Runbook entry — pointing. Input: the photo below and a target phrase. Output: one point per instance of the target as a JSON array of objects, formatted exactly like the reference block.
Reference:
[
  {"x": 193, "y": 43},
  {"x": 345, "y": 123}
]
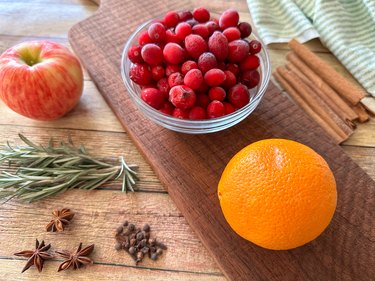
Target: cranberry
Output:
[
  {"x": 218, "y": 45},
  {"x": 250, "y": 78},
  {"x": 203, "y": 88},
  {"x": 238, "y": 50},
  {"x": 250, "y": 62},
  {"x": 157, "y": 72},
  {"x": 215, "y": 109},
  {"x": 195, "y": 45},
  {"x": 228, "y": 108},
  {"x": 193, "y": 79},
  {"x": 203, "y": 100},
  {"x": 206, "y": 61},
  {"x": 216, "y": 93},
  {"x": 140, "y": 74},
  {"x": 212, "y": 26},
  {"x": 174, "y": 53},
  {"x": 144, "y": 38},
  {"x": 185, "y": 15},
  {"x": 230, "y": 80},
  {"x": 197, "y": 113},
  {"x": 239, "y": 96},
  {"x": 152, "y": 54},
  {"x": 245, "y": 29},
  {"x": 232, "y": 33},
  {"x": 214, "y": 77},
  {"x": 172, "y": 68},
  {"x": 201, "y": 14},
  {"x": 234, "y": 68},
  {"x": 134, "y": 54},
  {"x": 229, "y": 18},
  {"x": 255, "y": 46},
  {"x": 153, "y": 97},
  {"x": 180, "y": 113},
  {"x": 171, "y": 19},
  {"x": 172, "y": 37},
  {"x": 188, "y": 65},
  {"x": 156, "y": 31},
  {"x": 163, "y": 86},
  {"x": 175, "y": 79},
  {"x": 182, "y": 97},
  {"x": 167, "y": 108},
  {"x": 201, "y": 29},
  {"x": 182, "y": 30}
]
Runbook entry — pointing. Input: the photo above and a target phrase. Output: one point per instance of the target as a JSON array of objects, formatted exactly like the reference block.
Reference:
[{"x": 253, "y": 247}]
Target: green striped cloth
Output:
[{"x": 345, "y": 27}]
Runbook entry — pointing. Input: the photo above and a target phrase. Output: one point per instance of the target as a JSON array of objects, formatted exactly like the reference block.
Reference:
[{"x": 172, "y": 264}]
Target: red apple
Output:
[{"x": 41, "y": 80}]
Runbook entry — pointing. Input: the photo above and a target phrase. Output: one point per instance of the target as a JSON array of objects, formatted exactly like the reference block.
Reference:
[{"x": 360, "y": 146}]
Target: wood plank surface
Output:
[{"x": 93, "y": 123}]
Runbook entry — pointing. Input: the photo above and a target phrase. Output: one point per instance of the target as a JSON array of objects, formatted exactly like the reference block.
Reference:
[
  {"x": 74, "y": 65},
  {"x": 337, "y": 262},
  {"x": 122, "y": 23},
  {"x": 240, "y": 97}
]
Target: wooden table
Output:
[{"x": 99, "y": 212}]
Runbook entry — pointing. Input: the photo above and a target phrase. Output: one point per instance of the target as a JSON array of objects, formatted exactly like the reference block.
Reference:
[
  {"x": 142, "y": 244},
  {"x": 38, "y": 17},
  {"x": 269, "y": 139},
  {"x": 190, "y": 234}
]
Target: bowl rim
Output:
[{"x": 188, "y": 122}]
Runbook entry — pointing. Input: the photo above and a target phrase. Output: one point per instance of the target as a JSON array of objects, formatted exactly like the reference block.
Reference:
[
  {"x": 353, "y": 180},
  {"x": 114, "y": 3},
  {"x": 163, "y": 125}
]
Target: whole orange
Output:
[{"x": 278, "y": 194}]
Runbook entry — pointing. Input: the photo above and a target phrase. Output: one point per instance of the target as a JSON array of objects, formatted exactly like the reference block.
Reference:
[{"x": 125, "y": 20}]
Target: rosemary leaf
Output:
[{"x": 49, "y": 170}]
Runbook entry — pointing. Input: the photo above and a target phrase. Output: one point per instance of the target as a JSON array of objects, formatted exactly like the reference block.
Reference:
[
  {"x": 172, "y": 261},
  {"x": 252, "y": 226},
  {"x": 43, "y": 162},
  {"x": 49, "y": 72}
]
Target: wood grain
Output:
[{"x": 190, "y": 166}]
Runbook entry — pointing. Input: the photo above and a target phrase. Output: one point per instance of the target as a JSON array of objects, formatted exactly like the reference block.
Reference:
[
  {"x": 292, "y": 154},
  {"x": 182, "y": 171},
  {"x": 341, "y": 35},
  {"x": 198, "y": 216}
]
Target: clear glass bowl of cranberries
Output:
[{"x": 194, "y": 71}]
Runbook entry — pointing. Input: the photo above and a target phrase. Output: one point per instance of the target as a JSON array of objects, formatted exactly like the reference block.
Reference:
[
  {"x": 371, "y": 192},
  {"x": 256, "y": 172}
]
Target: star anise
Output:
[
  {"x": 36, "y": 257},
  {"x": 77, "y": 258},
  {"x": 61, "y": 219}
]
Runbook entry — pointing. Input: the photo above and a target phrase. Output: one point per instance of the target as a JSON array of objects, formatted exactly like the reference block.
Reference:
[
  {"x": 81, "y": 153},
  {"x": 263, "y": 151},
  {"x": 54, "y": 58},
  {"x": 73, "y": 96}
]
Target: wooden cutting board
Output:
[{"x": 189, "y": 166}]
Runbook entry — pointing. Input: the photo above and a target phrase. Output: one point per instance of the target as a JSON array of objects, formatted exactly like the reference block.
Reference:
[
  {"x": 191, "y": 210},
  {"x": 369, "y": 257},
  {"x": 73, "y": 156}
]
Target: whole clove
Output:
[{"x": 137, "y": 242}]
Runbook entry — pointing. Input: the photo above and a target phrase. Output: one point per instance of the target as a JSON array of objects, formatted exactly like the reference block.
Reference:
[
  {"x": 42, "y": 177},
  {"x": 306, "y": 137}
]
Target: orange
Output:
[{"x": 278, "y": 194}]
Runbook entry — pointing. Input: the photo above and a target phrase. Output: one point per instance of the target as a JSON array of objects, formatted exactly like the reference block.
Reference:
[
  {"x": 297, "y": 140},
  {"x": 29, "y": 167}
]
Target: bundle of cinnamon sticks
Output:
[{"x": 330, "y": 99}]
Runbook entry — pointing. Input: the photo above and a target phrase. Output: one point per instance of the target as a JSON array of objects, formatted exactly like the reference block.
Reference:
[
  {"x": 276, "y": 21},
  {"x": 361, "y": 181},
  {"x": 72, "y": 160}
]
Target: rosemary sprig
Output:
[{"x": 45, "y": 171}]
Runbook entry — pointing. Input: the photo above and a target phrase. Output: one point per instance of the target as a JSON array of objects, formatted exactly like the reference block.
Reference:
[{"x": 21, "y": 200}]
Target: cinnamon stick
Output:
[
  {"x": 301, "y": 102},
  {"x": 340, "y": 127},
  {"x": 361, "y": 111},
  {"x": 329, "y": 95},
  {"x": 345, "y": 88}
]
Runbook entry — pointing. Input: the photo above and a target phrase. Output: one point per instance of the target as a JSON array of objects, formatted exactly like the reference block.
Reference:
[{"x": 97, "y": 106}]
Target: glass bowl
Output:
[{"x": 194, "y": 126}]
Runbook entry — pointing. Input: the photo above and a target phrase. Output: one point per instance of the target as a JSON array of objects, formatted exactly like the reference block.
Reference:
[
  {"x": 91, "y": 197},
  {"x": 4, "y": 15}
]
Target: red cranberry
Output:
[
  {"x": 185, "y": 15},
  {"x": 156, "y": 31},
  {"x": 234, "y": 68},
  {"x": 250, "y": 78},
  {"x": 182, "y": 97},
  {"x": 250, "y": 62},
  {"x": 195, "y": 45},
  {"x": 180, "y": 113},
  {"x": 157, "y": 72},
  {"x": 238, "y": 50},
  {"x": 245, "y": 29},
  {"x": 182, "y": 30},
  {"x": 175, "y": 79},
  {"x": 230, "y": 80},
  {"x": 203, "y": 100},
  {"x": 144, "y": 38},
  {"x": 232, "y": 33},
  {"x": 152, "y": 54},
  {"x": 214, "y": 77},
  {"x": 163, "y": 86},
  {"x": 201, "y": 29},
  {"x": 212, "y": 26},
  {"x": 239, "y": 96},
  {"x": 229, "y": 18},
  {"x": 215, "y": 109},
  {"x": 197, "y": 113},
  {"x": 172, "y": 68},
  {"x": 140, "y": 74},
  {"x": 174, "y": 53},
  {"x": 228, "y": 108},
  {"x": 171, "y": 19},
  {"x": 167, "y": 108},
  {"x": 218, "y": 45},
  {"x": 188, "y": 65},
  {"x": 193, "y": 79},
  {"x": 255, "y": 46},
  {"x": 134, "y": 54},
  {"x": 201, "y": 14},
  {"x": 171, "y": 37},
  {"x": 206, "y": 61},
  {"x": 217, "y": 93},
  {"x": 153, "y": 97}
]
